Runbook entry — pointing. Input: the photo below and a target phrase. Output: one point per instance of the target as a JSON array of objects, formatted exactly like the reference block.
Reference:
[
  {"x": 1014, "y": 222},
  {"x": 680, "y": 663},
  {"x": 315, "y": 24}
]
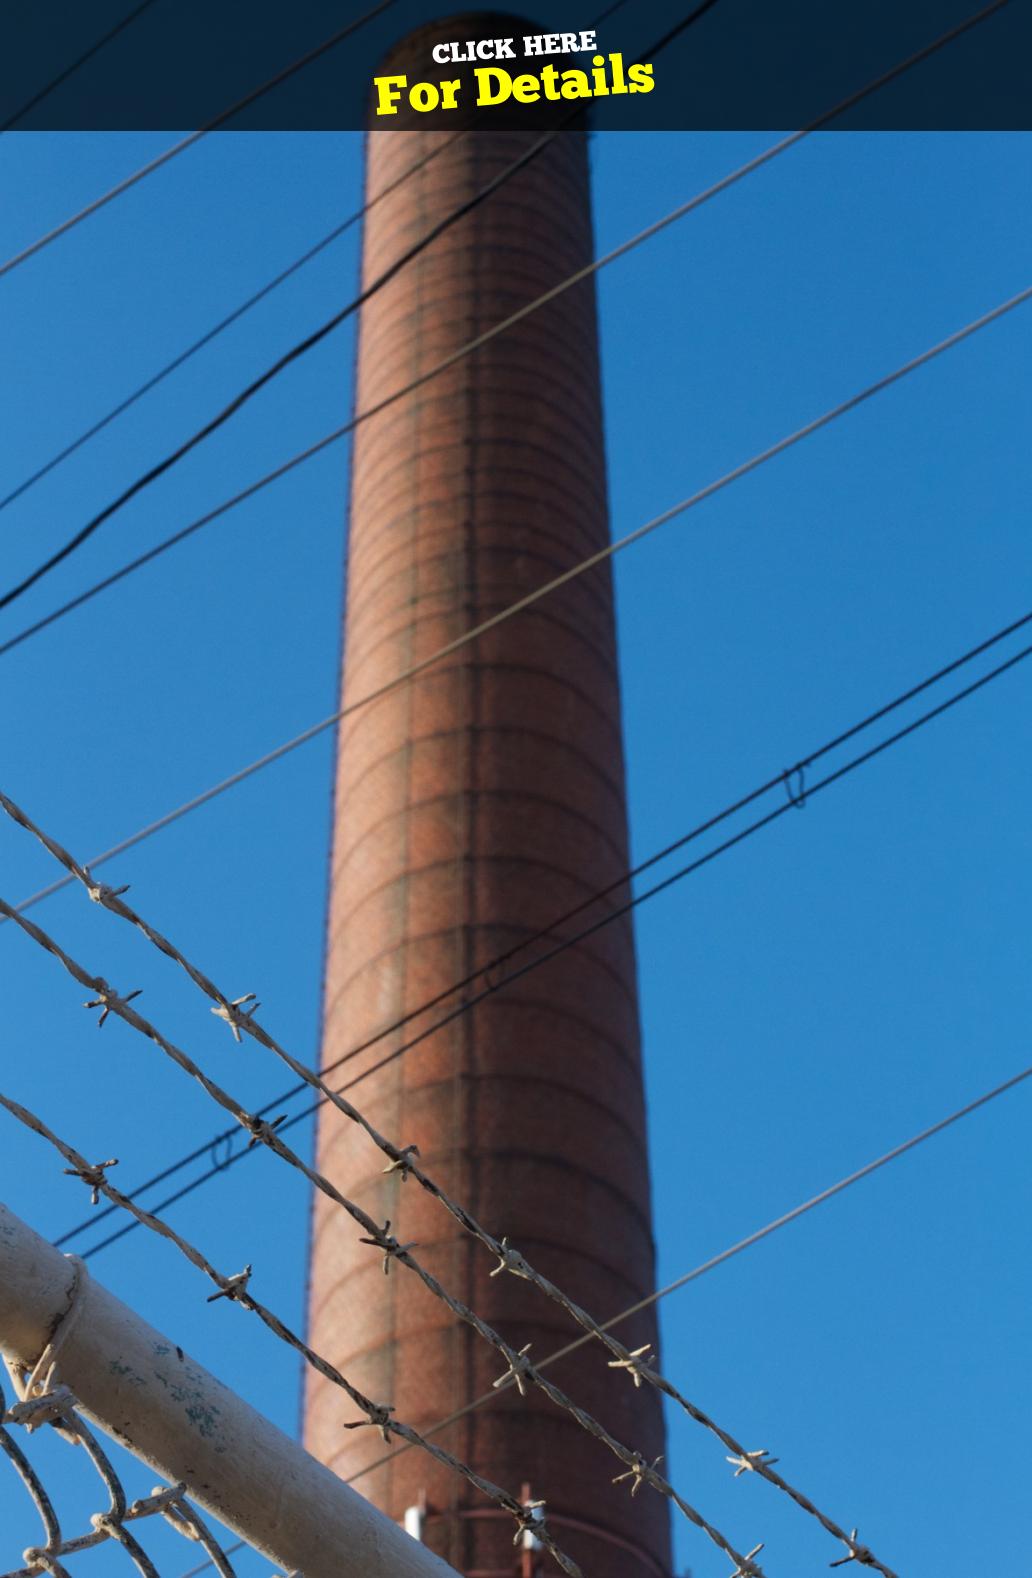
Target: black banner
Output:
[{"x": 740, "y": 64}]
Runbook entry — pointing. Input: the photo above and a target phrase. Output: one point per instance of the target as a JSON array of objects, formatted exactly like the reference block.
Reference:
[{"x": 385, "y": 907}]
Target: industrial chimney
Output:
[{"x": 473, "y": 806}]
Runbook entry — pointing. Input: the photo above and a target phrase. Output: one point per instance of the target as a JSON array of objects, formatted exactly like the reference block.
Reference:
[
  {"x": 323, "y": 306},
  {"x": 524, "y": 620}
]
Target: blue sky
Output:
[{"x": 810, "y": 999}]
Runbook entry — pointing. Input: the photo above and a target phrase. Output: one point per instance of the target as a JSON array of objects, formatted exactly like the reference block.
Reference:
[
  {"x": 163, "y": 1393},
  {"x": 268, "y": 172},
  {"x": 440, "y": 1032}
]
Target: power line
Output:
[
  {"x": 745, "y": 468},
  {"x": 743, "y": 1244},
  {"x": 136, "y": 838},
  {"x": 236, "y": 1289},
  {"x": 379, "y": 1238},
  {"x": 488, "y": 971},
  {"x": 245, "y": 306},
  {"x": 348, "y": 427},
  {"x": 242, "y": 1021},
  {"x": 909, "y": 1143},
  {"x": 220, "y": 327},
  {"x": 189, "y": 140},
  {"x": 310, "y": 341},
  {"x": 725, "y": 1255},
  {"x": 296, "y": 352},
  {"x": 69, "y": 71},
  {"x": 473, "y": 345}
]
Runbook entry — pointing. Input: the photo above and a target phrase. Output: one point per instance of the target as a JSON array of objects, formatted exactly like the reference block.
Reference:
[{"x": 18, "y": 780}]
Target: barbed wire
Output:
[
  {"x": 239, "y": 1014},
  {"x": 381, "y": 1415},
  {"x": 754, "y": 1460},
  {"x": 44, "y": 1401},
  {"x": 108, "y": 1001},
  {"x": 236, "y": 1288},
  {"x": 489, "y": 970},
  {"x": 739, "y": 1247},
  {"x": 603, "y": 555},
  {"x": 760, "y": 1461},
  {"x": 857, "y": 1552}
]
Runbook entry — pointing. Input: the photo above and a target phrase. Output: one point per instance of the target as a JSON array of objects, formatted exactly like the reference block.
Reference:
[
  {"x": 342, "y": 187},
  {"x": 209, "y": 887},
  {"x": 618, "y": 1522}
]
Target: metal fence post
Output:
[{"x": 141, "y": 1388}]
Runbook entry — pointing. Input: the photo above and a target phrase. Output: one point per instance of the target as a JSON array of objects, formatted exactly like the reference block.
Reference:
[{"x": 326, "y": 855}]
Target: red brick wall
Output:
[{"x": 472, "y": 807}]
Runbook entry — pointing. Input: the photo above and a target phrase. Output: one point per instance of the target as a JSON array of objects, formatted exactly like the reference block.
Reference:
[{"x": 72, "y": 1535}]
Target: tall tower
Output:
[{"x": 473, "y": 807}]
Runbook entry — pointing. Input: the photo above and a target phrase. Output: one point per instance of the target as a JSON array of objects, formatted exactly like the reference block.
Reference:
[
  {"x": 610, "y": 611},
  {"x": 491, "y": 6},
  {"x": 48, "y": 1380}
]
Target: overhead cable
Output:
[
  {"x": 743, "y": 1244},
  {"x": 219, "y": 1147},
  {"x": 463, "y": 351},
  {"x": 745, "y": 468},
  {"x": 308, "y": 343},
  {"x": 70, "y": 70},
  {"x": 188, "y": 141},
  {"x": 688, "y": 1277},
  {"x": 245, "y": 306},
  {"x": 223, "y": 324},
  {"x": 394, "y": 1254}
]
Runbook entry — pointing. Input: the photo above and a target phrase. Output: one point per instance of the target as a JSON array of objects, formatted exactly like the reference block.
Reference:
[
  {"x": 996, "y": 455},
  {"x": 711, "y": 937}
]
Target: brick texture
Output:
[{"x": 473, "y": 807}]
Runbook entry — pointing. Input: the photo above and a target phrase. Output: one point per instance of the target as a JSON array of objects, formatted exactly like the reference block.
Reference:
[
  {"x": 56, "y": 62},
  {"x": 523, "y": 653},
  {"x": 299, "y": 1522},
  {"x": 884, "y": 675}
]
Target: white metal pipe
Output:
[{"x": 143, "y": 1390}]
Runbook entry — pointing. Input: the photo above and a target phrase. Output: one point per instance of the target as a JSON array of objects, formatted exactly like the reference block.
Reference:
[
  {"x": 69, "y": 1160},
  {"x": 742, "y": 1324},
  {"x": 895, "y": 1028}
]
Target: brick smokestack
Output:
[{"x": 473, "y": 807}]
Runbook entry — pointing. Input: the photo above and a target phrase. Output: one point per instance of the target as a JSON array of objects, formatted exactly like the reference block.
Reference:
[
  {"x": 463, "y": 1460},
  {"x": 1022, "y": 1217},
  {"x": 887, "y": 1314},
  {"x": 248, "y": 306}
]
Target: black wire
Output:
[
  {"x": 317, "y": 336},
  {"x": 69, "y": 71},
  {"x": 245, "y": 307},
  {"x": 220, "y": 327},
  {"x": 180, "y": 147},
  {"x": 287, "y": 359},
  {"x": 610, "y": 10},
  {"x": 172, "y": 541},
  {"x": 226, "y": 1136},
  {"x": 678, "y": 28}
]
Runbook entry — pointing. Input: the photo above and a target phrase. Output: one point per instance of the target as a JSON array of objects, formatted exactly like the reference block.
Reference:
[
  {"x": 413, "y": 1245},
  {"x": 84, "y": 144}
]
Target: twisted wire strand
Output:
[
  {"x": 489, "y": 970},
  {"x": 732, "y": 1251},
  {"x": 404, "y": 1161},
  {"x": 110, "y": 1002},
  {"x": 379, "y": 1414}
]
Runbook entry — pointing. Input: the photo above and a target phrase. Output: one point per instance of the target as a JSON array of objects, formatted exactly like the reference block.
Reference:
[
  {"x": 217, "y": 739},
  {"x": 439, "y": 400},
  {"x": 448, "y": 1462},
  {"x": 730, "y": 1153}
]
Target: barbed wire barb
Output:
[
  {"x": 379, "y": 1415},
  {"x": 509, "y": 1258},
  {"x": 375, "y": 1412},
  {"x": 93, "y": 1176}
]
